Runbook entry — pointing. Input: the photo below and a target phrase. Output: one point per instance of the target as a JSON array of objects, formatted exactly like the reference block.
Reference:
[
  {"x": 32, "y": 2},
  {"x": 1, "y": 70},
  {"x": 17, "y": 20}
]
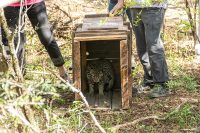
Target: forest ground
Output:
[{"x": 181, "y": 108}]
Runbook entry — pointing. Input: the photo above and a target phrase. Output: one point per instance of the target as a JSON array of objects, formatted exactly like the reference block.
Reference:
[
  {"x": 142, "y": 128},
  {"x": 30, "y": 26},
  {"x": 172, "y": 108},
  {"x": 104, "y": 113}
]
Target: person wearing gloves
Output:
[{"x": 146, "y": 19}]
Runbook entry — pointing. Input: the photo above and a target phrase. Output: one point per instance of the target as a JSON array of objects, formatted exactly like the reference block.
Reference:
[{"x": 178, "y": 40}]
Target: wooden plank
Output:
[
  {"x": 116, "y": 100},
  {"x": 101, "y": 25},
  {"x": 124, "y": 74},
  {"x": 110, "y": 37},
  {"x": 128, "y": 24},
  {"x": 102, "y": 31},
  {"x": 100, "y": 34},
  {"x": 83, "y": 66},
  {"x": 96, "y": 15},
  {"x": 96, "y": 102},
  {"x": 95, "y": 30},
  {"x": 103, "y": 28},
  {"x": 76, "y": 66},
  {"x": 130, "y": 78},
  {"x": 102, "y": 22},
  {"x": 124, "y": 28},
  {"x": 73, "y": 41}
]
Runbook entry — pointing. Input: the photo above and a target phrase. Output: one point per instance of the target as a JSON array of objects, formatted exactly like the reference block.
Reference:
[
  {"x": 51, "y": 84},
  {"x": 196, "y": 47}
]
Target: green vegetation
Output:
[
  {"x": 55, "y": 110},
  {"x": 186, "y": 117},
  {"x": 180, "y": 78}
]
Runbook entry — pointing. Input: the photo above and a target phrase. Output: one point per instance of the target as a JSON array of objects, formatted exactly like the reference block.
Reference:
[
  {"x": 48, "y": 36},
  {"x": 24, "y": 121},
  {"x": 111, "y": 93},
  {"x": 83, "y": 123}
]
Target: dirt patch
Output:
[{"x": 141, "y": 105}]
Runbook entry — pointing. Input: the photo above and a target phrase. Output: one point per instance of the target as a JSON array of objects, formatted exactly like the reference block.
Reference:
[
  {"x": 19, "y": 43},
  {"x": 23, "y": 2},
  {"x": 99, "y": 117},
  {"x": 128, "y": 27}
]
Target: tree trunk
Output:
[
  {"x": 3, "y": 62},
  {"x": 197, "y": 46}
]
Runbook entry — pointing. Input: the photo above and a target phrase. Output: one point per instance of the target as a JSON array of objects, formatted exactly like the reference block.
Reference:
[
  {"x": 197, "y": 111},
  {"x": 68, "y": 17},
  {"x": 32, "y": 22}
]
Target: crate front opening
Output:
[{"x": 102, "y": 50}]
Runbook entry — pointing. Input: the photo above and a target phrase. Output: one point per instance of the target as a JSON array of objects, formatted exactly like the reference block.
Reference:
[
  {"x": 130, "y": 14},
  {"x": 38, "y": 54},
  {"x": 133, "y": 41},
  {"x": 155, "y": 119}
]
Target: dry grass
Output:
[{"x": 179, "y": 50}]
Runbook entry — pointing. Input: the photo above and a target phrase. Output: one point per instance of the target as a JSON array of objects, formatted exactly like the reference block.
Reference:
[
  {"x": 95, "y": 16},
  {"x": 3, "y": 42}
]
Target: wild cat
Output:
[{"x": 99, "y": 75}]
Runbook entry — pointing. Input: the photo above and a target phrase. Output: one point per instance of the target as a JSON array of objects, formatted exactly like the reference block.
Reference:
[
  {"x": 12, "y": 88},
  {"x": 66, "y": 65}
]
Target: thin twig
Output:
[
  {"x": 59, "y": 8},
  {"x": 3, "y": 61},
  {"x": 191, "y": 20},
  {"x": 83, "y": 128},
  {"x": 10, "y": 35},
  {"x": 72, "y": 88},
  {"x": 27, "y": 111},
  {"x": 196, "y": 130},
  {"x": 14, "y": 112},
  {"x": 117, "y": 127},
  {"x": 37, "y": 72}
]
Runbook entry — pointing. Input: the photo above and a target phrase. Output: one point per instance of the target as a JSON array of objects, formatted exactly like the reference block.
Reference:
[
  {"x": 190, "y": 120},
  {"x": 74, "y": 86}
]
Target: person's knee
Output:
[
  {"x": 45, "y": 35},
  {"x": 156, "y": 49}
]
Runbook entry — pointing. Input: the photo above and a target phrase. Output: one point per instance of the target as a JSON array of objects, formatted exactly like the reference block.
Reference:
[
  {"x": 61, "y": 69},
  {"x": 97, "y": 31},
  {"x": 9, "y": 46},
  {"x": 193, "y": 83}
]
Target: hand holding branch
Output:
[{"x": 117, "y": 7}]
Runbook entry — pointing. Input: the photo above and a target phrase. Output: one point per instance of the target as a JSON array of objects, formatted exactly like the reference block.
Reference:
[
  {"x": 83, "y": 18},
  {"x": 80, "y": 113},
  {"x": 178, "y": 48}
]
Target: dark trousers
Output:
[
  {"x": 38, "y": 17},
  {"x": 146, "y": 24},
  {"x": 111, "y": 4}
]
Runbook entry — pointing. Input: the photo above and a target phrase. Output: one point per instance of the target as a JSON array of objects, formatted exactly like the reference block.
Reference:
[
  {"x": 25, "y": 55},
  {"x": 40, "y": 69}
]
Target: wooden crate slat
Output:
[
  {"x": 96, "y": 15},
  {"x": 124, "y": 73},
  {"x": 116, "y": 100},
  {"x": 130, "y": 79},
  {"x": 102, "y": 23},
  {"x": 77, "y": 66},
  {"x": 112, "y": 37},
  {"x": 124, "y": 28},
  {"x": 102, "y": 31},
  {"x": 100, "y": 34},
  {"x": 105, "y": 28},
  {"x": 83, "y": 64}
]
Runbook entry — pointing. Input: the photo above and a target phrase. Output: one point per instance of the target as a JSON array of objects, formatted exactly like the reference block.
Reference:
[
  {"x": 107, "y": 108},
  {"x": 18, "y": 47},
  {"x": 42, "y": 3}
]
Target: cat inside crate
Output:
[{"x": 100, "y": 76}]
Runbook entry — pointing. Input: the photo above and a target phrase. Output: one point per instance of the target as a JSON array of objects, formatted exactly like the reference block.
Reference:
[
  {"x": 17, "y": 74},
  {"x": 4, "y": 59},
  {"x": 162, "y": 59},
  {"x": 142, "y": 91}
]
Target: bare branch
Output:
[
  {"x": 10, "y": 35},
  {"x": 71, "y": 87},
  {"x": 58, "y": 7},
  {"x": 27, "y": 110},
  {"x": 16, "y": 113},
  {"x": 192, "y": 23},
  {"x": 117, "y": 127},
  {"x": 195, "y": 130},
  {"x": 3, "y": 62}
]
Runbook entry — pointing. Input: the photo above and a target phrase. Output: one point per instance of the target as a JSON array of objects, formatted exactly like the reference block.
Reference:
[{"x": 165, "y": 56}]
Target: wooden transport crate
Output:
[{"x": 108, "y": 38}]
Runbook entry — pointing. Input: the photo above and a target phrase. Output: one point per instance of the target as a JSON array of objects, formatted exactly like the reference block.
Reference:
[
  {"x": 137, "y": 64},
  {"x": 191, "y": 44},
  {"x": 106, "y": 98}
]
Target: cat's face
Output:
[{"x": 96, "y": 75}]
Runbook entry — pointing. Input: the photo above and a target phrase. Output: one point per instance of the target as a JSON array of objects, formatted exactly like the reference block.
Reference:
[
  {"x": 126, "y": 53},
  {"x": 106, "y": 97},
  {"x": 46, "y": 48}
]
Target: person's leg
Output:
[
  {"x": 139, "y": 30},
  {"x": 12, "y": 19},
  {"x": 153, "y": 20},
  {"x": 5, "y": 41},
  {"x": 111, "y": 4},
  {"x": 38, "y": 16}
]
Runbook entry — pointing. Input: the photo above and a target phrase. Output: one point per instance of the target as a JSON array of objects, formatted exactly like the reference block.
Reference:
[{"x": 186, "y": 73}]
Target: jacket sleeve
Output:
[{"x": 4, "y": 3}]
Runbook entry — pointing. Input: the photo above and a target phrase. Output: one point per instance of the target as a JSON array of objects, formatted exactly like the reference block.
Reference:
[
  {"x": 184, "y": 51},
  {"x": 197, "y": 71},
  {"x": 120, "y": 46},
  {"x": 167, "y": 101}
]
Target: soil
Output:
[{"x": 141, "y": 105}]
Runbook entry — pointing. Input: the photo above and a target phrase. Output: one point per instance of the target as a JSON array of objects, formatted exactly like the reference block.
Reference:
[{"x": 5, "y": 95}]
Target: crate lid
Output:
[
  {"x": 102, "y": 27},
  {"x": 101, "y": 22}
]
